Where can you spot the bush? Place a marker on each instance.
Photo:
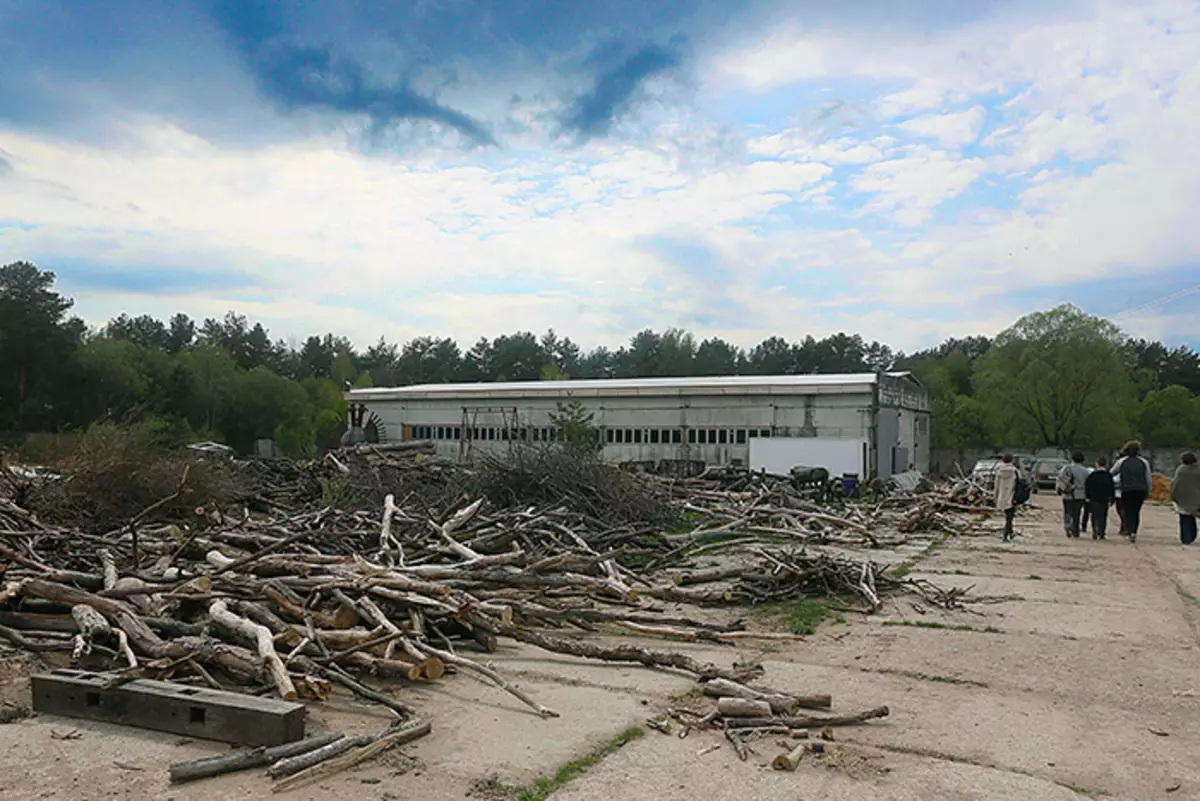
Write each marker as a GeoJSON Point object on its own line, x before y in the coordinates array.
{"type": "Point", "coordinates": [117, 471]}
{"type": "Point", "coordinates": [557, 474]}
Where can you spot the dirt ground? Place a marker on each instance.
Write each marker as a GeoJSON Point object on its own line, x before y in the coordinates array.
{"type": "Point", "coordinates": [1077, 680]}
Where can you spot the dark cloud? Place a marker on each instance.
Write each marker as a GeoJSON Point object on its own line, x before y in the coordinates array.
{"type": "Point", "coordinates": [300, 76]}
{"type": "Point", "coordinates": [594, 111]}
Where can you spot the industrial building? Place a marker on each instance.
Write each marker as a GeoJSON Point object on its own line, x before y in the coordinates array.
{"type": "Point", "coordinates": [848, 423]}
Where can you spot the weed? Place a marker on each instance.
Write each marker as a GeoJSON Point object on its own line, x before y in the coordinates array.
{"type": "Point", "coordinates": [1034, 577]}
{"type": "Point", "coordinates": [903, 569]}
{"type": "Point", "coordinates": [540, 789]}
{"type": "Point", "coordinates": [840, 619]}
{"type": "Point", "coordinates": [798, 617]}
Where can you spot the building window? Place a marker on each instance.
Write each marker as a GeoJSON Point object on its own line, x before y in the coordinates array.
{"type": "Point", "coordinates": [765, 433]}
{"type": "Point", "coordinates": [637, 436]}
{"type": "Point", "coordinates": [457, 432]}
{"type": "Point", "coordinates": [741, 436]}
{"type": "Point", "coordinates": [691, 436]}
{"type": "Point", "coordinates": [712, 436]}
{"type": "Point", "coordinates": [654, 436]}
{"type": "Point", "coordinates": [721, 437]}
{"type": "Point", "coordinates": [608, 435]}
{"type": "Point", "coordinates": [676, 436]}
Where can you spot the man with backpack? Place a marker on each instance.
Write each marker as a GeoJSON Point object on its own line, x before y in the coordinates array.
{"type": "Point", "coordinates": [1100, 489]}
{"type": "Point", "coordinates": [1136, 479]}
{"type": "Point", "coordinates": [1071, 486]}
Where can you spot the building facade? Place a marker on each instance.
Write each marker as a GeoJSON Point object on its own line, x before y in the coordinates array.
{"type": "Point", "coordinates": [859, 423]}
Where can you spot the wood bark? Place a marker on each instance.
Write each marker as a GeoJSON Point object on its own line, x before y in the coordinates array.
{"type": "Point", "coordinates": [781, 704]}
{"type": "Point", "coordinates": [261, 636]}
{"type": "Point", "coordinates": [743, 708]}
{"type": "Point", "coordinates": [295, 764]}
{"type": "Point", "coordinates": [242, 760]}
{"type": "Point", "coordinates": [389, 739]}
{"type": "Point", "coordinates": [809, 722]}
{"type": "Point", "coordinates": [791, 759]}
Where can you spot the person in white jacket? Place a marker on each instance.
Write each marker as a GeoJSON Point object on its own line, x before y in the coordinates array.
{"type": "Point", "coordinates": [1007, 476]}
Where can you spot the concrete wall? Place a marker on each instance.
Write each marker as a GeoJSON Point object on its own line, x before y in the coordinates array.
{"type": "Point", "coordinates": [713, 429]}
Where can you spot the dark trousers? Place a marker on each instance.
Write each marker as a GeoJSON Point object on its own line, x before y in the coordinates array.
{"type": "Point", "coordinates": [1132, 502]}
{"type": "Point", "coordinates": [1085, 514]}
{"type": "Point", "coordinates": [1099, 510]}
{"type": "Point", "coordinates": [1009, 514]}
{"type": "Point", "coordinates": [1072, 507]}
{"type": "Point", "coordinates": [1187, 529]}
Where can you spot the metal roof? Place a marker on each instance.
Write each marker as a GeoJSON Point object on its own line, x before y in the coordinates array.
{"type": "Point", "coordinates": [614, 387]}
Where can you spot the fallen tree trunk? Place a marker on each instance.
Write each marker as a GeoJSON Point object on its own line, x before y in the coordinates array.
{"type": "Point", "coordinates": [262, 638]}
{"type": "Point", "coordinates": [781, 704]}
{"type": "Point", "coordinates": [808, 722]}
{"type": "Point", "coordinates": [242, 760]}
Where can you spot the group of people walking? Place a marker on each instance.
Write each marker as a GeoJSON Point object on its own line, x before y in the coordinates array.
{"type": "Point", "coordinates": [1089, 492]}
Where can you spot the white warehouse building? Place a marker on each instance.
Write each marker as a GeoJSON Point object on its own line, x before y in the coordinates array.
{"type": "Point", "coordinates": [848, 423]}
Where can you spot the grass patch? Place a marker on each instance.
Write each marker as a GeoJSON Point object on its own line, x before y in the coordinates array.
{"type": "Point", "coordinates": [903, 569]}
{"type": "Point", "coordinates": [934, 624]}
{"type": "Point", "coordinates": [799, 617]}
{"type": "Point", "coordinates": [541, 789]}
{"type": "Point", "coordinates": [1034, 577]}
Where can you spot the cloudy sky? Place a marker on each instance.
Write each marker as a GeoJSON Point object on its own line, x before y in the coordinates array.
{"type": "Point", "coordinates": [905, 170]}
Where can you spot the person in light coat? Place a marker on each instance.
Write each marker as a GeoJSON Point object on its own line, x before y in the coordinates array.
{"type": "Point", "coordinates": [1072, 480]}
{"type": "Point", "coordinates": [1007, 476]}
{"type": "Point", "coordinates": [1185, 495]}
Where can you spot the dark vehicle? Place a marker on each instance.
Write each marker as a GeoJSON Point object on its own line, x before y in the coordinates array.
{"type": "Point", "coordinates": [1045, 472]}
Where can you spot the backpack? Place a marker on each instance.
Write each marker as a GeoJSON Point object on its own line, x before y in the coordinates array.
{"type": "Point", "coordinates": [1066, 481]}
{"type": "Point", "coordinates": [1021, 492]}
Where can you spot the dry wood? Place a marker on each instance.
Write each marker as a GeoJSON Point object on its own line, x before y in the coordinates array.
{"type": "Point", "coordinates": [781, 704]}
{"type": "Point", "coordinates": [242, 760]}
{"type": "Point", "coordinates": [809, 722]}
{"type": "Point", "coordinates": [791, 759]}
{"type": "Point", "coordinates": [406, 733]}
{"type": "Point", "coordinates": [496, 678]}
{"type": "Point", "coordinates": [261, 636]}
{"type": "Point", "coordinates": [295, 764]}
{"type": "Point", "coordinates": [743, 708]}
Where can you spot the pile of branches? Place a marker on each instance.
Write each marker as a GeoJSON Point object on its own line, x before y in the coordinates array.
{"type": "Point", "coordinates": [311, 592]}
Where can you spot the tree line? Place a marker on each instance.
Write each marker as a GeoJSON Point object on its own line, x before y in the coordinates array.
{"type": "Point", "coordinates": [1057, 378]}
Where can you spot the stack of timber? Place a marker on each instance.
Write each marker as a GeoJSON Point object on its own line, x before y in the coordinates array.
{"type": "Point", "coordinates": [389, 563]}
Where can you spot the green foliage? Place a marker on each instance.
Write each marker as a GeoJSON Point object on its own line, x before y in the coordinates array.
{"type": "Point", "coordinates": [542, 788]}
{"type": "Point", "coordinates": [1169, 417]}
{"type": "Point", "coordinates": [575, 430]}
{"type": "Point", "coordinates": [1057, 378]}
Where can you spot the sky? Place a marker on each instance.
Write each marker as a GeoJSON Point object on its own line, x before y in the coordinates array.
{"type": "Point", "coordinates": [906, 171]}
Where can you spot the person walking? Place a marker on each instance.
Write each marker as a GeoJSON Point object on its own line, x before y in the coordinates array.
{"type": "Point", "coordinates": [1136, 479]}
{"type": "Point", "coordinates": [1071, 485]}
{"type": "Point", "coordinates": [1086, 511]}
{"type": "Point", "coordinates": [1100, 491]}
{"type": "Point", "coordinates": [1185, 494]}
{"type": "Point", "coordinates": [1117, 502]}
{"type": "Point", "coordinates": [1007, 476]}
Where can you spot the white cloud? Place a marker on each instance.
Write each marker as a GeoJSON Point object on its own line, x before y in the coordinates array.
{"type": "Point", "coordinates": [912, 186]}
{"type": "Point", "coordinates": [953, 130]}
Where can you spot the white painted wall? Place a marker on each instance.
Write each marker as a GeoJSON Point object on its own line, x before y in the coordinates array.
{"type": "Point", "coordinates": [780, 455]}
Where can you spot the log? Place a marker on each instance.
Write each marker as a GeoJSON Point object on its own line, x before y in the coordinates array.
{"type": "Point", "coordinates": [791, 759]}
{"type": "Point", "coordinates": [242, 760]}
{"type": "Point", "coordinates": [808, 722]}
{"type": "Point", "coordinates": [295, 764]}
{"type": "Point", "coordinates": [780, 704]}
{"type": "Point", "coordinates": [743, 708]}
{"type": "Point", "coordinates": [628, 653]}
{"type": "Point", "coordinates": [500, 681]}
{"type": "Point", "coordinates": [390, 739]}
{"type": "Point", "coordinates": [262, 638]}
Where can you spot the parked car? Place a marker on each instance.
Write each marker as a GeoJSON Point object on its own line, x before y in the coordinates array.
{"type": "Point", "coordinates": [1045, 472]}
{"type": "Point", "coordinates": [984, 471]}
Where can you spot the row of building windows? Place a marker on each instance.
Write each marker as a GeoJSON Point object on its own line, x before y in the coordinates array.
{"type": "Point", "coordinates": [612, 436]}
